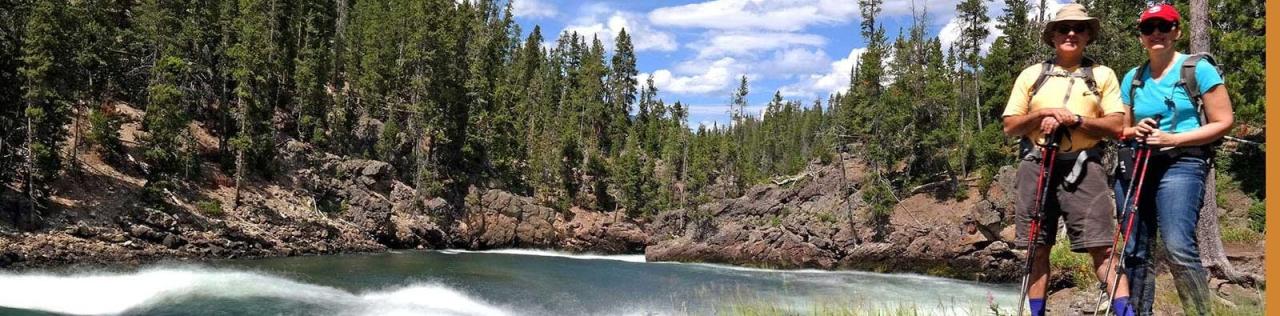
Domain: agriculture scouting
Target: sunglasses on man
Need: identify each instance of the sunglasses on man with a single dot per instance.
(1065, 29)
(1151, 26)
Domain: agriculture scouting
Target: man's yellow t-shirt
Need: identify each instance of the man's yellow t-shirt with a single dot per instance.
(1079, 100)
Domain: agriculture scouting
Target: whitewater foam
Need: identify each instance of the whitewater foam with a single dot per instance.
(114, 293)
(550, 253)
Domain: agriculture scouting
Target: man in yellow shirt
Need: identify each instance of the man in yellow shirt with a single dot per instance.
(1084, 99)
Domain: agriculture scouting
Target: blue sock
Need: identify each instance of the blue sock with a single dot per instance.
(1121, 306)
(1037, 306)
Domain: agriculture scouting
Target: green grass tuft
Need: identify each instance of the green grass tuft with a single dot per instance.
(1078, 265)
(1240, 234)
(210, 207)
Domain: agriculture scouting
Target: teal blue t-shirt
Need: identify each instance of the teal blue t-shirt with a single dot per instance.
(1155, 97)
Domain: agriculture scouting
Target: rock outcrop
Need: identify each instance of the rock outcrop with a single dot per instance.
(320, 204)
(811, 224)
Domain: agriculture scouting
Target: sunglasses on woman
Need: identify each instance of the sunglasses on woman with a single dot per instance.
(1079, 28)
(1150, 27)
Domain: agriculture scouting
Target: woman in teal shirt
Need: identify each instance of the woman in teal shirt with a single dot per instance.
(1173, 190)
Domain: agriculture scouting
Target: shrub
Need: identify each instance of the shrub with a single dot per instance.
(826, 217)
(1258, 217)
(1239, 234)
(1076, 265)
(210, 207)
(104, 131)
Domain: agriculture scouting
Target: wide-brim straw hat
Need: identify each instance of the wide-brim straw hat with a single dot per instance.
(1073, 12)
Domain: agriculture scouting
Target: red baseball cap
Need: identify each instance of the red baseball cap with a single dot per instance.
(1160, 11)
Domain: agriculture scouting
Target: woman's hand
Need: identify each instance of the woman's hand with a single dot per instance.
(1146, 127)
(1159, 138)
(1148, 130)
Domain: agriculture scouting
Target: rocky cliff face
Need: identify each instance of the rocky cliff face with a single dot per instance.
(810, 223)
(322, 203)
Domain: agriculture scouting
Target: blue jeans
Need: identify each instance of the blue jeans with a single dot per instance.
(1169, 204)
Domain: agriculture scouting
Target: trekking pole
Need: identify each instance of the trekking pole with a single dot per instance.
(1141, 158)
(1049, 153)
(1125, 218)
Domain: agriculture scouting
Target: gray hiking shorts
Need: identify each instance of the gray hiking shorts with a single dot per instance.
(1087, 206)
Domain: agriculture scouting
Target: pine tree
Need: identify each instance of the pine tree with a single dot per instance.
(166, 143)
(313, 61)
(622, 87)
(731, 151)
(13, 20)
(864, 88)
(973, 32)
(1020, 40)
(102, 44)
(256, 57)
(46, 82)
(1236, 37)
(865, 113)
(589, 96)
(1117, 46)
(639, 188)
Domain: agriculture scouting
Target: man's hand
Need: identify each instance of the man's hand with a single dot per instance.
(1063, 116)
(1048, 125)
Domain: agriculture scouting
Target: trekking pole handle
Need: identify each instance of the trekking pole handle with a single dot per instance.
(1055, 139)
(1142, 141)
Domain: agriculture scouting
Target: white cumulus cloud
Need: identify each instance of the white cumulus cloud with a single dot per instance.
(775, 15)
(533, 9)
(716, 77)
(746, 43)
(643, 36)
(819, 85)
(796, 61)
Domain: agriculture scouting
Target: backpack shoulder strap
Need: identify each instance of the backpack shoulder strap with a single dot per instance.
(1089, 80)
(1136, 82)
(1045, 70)
(1188, 81)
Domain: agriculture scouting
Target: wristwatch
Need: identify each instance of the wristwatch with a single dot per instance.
(1079, 121)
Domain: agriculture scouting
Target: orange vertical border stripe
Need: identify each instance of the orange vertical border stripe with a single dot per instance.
(1273, 160)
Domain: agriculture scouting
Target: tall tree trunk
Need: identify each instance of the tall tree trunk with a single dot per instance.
(1199, 26)
(1208, 234)
(1209, 238)
(25, 219)
(977, 97)
(73, 156)
(235, 197)
(1040, 17)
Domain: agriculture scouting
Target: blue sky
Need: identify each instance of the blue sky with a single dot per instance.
(697, 50)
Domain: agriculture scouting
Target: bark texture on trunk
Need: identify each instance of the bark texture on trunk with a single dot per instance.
(1209, 238)
(1199, 26)
(1208, 230)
